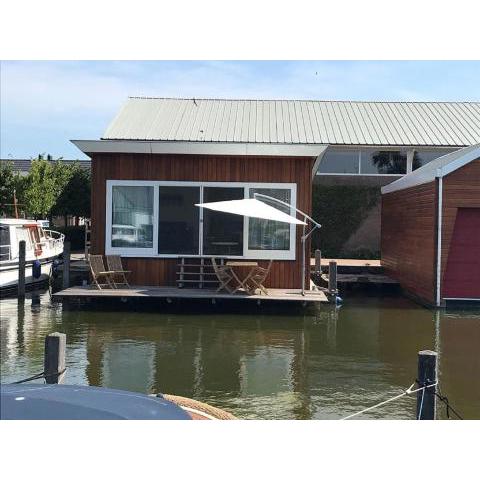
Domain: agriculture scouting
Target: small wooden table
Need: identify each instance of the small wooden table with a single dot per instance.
(242, 265)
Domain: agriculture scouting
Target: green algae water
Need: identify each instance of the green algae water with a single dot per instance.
(321, 364)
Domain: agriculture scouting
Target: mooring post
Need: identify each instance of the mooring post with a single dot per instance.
(318, 262)
(54, 357)
(427, 375)
(332, 277)
(21, 270)
(66, 265)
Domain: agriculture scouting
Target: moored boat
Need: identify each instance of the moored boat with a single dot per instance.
(42, 247)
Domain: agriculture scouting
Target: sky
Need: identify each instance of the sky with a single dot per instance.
(44, 104)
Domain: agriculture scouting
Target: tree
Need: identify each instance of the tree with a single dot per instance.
(10, 183)
(74, 198)
(40, 192)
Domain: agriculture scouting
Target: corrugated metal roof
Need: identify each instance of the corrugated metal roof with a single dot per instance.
(298, 122)
(437, 168)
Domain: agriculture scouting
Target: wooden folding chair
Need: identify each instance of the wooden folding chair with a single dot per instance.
(114, 264)
(256, 278)
(225, 275)
(99, 273)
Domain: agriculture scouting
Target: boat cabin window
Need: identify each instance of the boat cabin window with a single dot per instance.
(4, 243)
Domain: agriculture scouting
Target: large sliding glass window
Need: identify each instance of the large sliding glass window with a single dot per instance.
(269, 234)
(222, 232)
(161, 219)
(132, 216)
(178, 224)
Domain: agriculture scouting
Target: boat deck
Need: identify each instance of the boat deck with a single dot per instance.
(275, 294)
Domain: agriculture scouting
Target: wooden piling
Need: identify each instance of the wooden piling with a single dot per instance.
(21, 269)
(54, 357)
(66, 265)
(427, 375)
(332, 277)
(318, 262)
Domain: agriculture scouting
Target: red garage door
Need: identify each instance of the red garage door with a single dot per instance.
(462, 276)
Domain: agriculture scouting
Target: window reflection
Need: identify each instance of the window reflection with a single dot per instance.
(178, 220)
(384, 162)
(222, 232)
(132, 217)
(339, 161)
(269, 234)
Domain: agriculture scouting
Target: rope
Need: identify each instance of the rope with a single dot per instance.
(408, 391)
(40, 375)
(444, 399)
(421, 405)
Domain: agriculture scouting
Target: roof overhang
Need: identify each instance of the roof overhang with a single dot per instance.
(437, 168)
(198, 148)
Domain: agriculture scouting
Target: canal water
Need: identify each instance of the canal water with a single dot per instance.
(324, 364)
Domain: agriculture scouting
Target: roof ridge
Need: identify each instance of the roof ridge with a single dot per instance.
(140, 97)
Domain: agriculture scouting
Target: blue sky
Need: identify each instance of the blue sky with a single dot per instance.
(45, 104)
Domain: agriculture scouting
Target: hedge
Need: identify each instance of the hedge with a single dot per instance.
(340, 209)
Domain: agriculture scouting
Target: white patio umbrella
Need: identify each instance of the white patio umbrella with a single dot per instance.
(251, 207)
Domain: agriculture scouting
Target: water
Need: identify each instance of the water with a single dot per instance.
(322, 365)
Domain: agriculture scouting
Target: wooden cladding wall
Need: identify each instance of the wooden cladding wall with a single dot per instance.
(461, 189)
(408, 239)
(158, 271)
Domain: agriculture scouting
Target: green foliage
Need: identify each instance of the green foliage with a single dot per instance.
(340, 209)
(56, 188)
(10, 182)
(42, 187)
(74, 198)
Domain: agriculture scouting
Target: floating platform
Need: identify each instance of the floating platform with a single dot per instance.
(170, 293)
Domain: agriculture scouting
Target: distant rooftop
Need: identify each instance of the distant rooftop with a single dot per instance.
(449, 124)
(23, 165)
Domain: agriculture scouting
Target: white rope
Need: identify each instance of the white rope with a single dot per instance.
(408, 391)
(421, 406)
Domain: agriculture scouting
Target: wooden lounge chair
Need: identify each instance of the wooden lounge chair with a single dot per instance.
(256, 278)
(119, 275)
(225, 276)
(99, 273)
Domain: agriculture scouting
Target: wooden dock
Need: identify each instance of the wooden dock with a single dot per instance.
(170, 293)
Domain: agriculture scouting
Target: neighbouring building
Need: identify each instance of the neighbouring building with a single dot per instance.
(160, 156)
(431, 229)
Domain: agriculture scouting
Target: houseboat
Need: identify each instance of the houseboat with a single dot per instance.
(42, 247)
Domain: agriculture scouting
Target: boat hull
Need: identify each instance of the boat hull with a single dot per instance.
(9, 272)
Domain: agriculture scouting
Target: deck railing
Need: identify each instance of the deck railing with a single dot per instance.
(55, 238)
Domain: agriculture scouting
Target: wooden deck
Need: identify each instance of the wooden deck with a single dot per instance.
(275, 294)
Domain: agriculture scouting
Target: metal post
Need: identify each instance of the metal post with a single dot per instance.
(332, 277)
(54, 357)
(304, 243)
(21, 270)
(427, 375)
(66, 265)
(318, 262)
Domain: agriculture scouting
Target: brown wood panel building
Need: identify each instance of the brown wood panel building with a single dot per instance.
(197, 168)
(415, 210)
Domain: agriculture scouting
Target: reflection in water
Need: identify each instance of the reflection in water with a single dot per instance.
(326, 364)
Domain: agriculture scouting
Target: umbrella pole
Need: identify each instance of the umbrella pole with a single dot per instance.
(303, 260)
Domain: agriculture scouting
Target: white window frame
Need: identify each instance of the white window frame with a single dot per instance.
(130, 251)
(153, 252)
